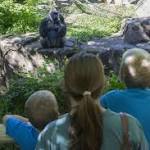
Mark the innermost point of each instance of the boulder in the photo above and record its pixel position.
(25, 54)
(137, 30)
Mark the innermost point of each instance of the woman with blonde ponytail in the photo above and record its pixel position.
(88, 126)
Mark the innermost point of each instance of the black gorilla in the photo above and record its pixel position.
(53, 30)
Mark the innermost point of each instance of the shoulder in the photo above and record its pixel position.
(114, 118)
(44, 20)
(11, 122)
(56, 126)
(10, 119)
(136, 133)
(135, 130)
(113, 92)
(24, 134)
(54, 135)
(113, 129)
(110, 97)
(59, 122)
(134, 124)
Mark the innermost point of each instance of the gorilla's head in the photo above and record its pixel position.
(54, 15)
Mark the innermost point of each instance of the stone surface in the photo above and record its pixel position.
(143, 9)
(24, 53)
(137, 30)
(122, 2)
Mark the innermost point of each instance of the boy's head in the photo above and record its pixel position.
(41, 107)
(135, 68)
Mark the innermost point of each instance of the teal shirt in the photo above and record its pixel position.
(56, 137)
(134, 101)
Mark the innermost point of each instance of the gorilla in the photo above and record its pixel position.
(52, 30)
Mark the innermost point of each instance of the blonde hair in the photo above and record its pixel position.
(41, 108)
(135, 68)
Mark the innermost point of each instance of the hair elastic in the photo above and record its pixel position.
(86, 93)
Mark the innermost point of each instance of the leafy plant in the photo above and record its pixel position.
(113, 82)
(18, 18)
(23, 85)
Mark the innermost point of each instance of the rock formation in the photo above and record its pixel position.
(24, 53)
(137, 30)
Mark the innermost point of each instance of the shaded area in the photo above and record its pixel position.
(23, 85)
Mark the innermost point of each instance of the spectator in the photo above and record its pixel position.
(135, 99)
(41, 108)
(88, 126)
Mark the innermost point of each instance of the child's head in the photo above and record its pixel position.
(135, 68)
(41, 107)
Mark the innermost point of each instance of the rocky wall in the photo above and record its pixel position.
(24, 53)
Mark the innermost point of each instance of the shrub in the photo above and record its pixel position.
(23, 85)
(18, 18)
(32, 2)
(113, 82)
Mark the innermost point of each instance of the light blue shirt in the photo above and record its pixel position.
(24, 134)
(56, 136)
(132, 101)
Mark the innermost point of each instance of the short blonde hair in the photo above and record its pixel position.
(135, 68)
(41, 108)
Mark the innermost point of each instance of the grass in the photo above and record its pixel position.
(86, 27)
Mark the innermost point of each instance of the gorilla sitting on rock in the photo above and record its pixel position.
(53, 30)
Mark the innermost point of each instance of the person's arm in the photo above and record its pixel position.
(20, 130)
(6, 117)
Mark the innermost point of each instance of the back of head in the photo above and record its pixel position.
(41, 108)
(135, 68)
(84, 81)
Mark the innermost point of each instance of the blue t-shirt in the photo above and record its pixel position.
(132, 101)
(24, 134)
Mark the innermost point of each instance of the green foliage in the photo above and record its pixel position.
(18, 18)
(32, 2)
(22, 86)
(19, 1)
(89, 26)
(24, 17)
(113, 82)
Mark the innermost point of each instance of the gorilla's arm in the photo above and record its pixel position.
(62, 30)
(43, 30)
(61, 19)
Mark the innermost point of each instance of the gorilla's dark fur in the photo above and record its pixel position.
(53, 30)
